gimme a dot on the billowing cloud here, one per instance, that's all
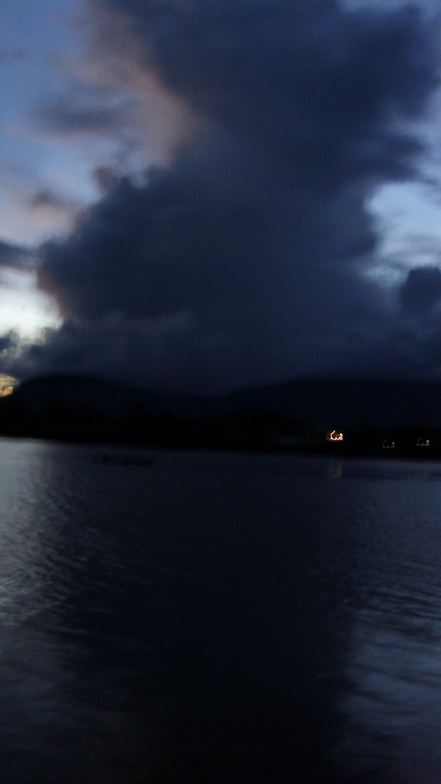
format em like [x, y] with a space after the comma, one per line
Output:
[314, 85]
[240, 261]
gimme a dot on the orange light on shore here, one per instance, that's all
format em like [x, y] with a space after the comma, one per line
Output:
[334, 435]
[7, 384]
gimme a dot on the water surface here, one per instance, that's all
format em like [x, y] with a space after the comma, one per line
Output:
[218, 618]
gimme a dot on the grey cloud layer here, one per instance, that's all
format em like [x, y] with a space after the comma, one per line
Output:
[14, 255]
[422, 290]
[239, 263]
[65, 117]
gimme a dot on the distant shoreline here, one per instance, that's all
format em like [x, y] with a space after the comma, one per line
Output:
[324, 449]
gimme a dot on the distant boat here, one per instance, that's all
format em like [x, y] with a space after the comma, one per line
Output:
[126, 460]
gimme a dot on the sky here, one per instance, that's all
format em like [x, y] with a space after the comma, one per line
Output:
[204, 195]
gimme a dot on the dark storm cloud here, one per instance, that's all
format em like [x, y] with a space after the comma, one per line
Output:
[240, 262]
[306, 81]
[148, 251]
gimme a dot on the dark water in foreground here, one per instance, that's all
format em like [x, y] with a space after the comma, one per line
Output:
[218, 618]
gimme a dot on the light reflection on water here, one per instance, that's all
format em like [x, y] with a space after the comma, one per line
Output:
[393, 702]
[21, 554]
[218, 617]
[392, 698]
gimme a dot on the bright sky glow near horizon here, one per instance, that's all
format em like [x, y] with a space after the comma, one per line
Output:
[74, 103]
